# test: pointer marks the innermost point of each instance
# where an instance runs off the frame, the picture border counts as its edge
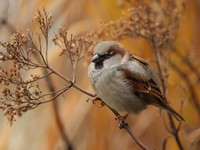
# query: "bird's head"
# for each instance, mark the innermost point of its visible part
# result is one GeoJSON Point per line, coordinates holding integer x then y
{"type": "Point", "coordinates": [108, 54]}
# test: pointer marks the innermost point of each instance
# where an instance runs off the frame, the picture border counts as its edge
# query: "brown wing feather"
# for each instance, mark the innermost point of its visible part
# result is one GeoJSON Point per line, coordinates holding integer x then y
{"type": "Point", "coordinates": [139, 59]}
{"type": "Point", "coordinates": [148, 88]}
{"type": "Point", "coordinates": [144, 87]}
{"type": "Point", "coordinates": [150, 92]}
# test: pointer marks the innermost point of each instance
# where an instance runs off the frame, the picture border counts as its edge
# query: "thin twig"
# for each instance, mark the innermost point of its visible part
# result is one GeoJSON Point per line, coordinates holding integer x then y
{"type": "Point", "coordinates": [61, 127]}
{"type": "Point", "coordinates": [131, 133]}
{"type": "Point", "coordinates": [125, 126]}
{"type": "Point", "coordinates": [175, 132]}
{"type": "Point", "coordinates": [187, 61]}
{"type": "Point", "coordinates": [68, 144]}
{"type": "Point", "coordinates": [158, 63]}
{"type": "Point", "coordinates": [164, 87]}
{"type": "Point", "coordinates": [193, 93]}
{"type": "Point", "coordinates": [165, 143]}
{"type": "Point", "coordinates": [72, 83]}
{"type": "Point", "coordinates": [55, 96]}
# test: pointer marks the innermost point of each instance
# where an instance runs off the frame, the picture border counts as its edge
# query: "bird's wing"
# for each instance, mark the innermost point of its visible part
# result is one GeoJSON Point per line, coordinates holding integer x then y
{"type": "Point", "coordinates": [142, 83]}
{"type": "Point", "coordinates": [140, 60]}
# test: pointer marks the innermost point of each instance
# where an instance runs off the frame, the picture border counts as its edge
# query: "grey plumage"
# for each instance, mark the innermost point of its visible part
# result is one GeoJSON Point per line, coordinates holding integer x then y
{"type": "Point", "coordinates": [125, 82]}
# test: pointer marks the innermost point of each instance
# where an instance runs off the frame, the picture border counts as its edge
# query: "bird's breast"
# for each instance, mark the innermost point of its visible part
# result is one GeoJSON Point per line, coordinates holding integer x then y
{"type": "Point", "coordinates": [116, 92]}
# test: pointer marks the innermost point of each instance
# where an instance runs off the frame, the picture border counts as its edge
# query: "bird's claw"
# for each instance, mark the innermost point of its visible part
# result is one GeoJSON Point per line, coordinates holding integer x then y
{"type": "Point", "coordinates": [95, 99]}
{"type": "Point", "coordinates": [121, 121]}
{"type": "Point", "coordinates": [101, 104]}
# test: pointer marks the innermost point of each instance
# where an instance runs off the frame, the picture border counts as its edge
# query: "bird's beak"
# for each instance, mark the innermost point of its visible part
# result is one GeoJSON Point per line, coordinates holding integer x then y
{"type": "Point", "coordinates": [95, 58]}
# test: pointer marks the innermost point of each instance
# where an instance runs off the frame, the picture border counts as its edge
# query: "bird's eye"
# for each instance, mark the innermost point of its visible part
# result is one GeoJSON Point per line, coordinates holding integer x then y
{"type": "Point", "coordinates": [109, 54]}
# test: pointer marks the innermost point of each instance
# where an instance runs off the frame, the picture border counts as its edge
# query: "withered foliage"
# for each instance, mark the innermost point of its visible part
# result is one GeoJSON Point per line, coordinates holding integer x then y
{"type": "Point", "coordinates": [18, 95]}
{"type": "Point", "coordinates": [73, 47]}
{"type": "Point", "coordinates": [157, 26]}
{"type": "Point", "coordinates": [22, 54]}
{"type": "Point", "coordinates": [44, 21]}
{"type": "Point", "coordinates": [25, 53]}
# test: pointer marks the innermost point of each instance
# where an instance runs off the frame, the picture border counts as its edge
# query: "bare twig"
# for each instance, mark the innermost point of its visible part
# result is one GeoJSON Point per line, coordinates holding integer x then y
{"type": "Point", "coordinates": [70, 82]}
{"type": "Point", "coordinates": [187, 61]}
{"type": "Point", "coordinates": [160, 70]}
{"type": "Point", "coordinates": [125, 126]}
{"type": "Point", "coordinates": [193, 93]}
{"type": "Point", "coordinates": [54, 95]}
{"type": "Point", "coordinates": [175, 132]}
{"type": "Point", "coordinates": [131, 133]}
{"type": "Point", "coordinates": [58, 120]}
{"type": "Point", "coordinates": [174, 129]}
{"type": "Point", "coordinates": [165, 144]}
{"type": "Point", "coordinates": [60, 126]}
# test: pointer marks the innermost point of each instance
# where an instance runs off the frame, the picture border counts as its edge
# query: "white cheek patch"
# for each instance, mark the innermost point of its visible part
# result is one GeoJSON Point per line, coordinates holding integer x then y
{"type": "Point", "coordinates": [112, 62]}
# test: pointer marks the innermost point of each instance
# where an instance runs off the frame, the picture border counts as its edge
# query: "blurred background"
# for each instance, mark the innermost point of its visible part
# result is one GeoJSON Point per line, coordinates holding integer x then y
{"type": "Point", "coordinates": [70, 120]}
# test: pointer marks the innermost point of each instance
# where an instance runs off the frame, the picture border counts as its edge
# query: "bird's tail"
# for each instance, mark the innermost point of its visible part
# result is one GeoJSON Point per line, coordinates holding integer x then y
{"type": "Point", "coordinates": [171, 111]}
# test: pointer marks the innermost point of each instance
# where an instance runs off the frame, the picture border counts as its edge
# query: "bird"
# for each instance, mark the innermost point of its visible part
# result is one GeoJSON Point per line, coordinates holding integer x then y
{"type": "Point", "coordinates": [124, 81]}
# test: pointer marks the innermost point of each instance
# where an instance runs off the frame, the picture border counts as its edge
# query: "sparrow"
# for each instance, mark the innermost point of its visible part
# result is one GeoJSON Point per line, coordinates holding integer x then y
{"type": "Point", "coordinates": [124, 81]}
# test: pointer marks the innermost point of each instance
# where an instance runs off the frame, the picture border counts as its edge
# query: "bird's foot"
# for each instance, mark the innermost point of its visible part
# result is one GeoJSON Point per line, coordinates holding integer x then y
{"type": "Point", "coordinates": [101, 104]}
{"type": "Point", "coordinates": [96, 99]}
{"type": "Point", "coordinates": [121, 120]}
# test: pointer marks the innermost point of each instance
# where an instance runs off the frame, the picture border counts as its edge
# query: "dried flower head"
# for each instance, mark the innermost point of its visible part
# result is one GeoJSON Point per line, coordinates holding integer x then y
{"type": "Point", "coordinates": [142, 22]}
{"type": "Point", "coordinates": [22, 55]}
{"type": "Point", "coordinates": [74, 47]}
{"type": "Point", "coordinates": [43, 20]}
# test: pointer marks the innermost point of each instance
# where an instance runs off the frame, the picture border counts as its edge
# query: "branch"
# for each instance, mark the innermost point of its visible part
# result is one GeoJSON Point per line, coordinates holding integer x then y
{"type": "Point", "coordinates": [193, 93]}
{"type": "Point", "coordinates": [188, 63]}
{"type": "Point", "coordinates": [60, 126]}
{"type": "Point", "coordinates": [131, 133]}
{"type": "Point", "coordinates": [58, 120]}
{"type": "Point", "coordinates": [70, 82]}
{"type": "Point", "coordinates": [175, 131]}
{"type": "Point", "coordinates": [164, 87]}
{"type": "Point", "coordinates": [158, 63]}
{"type": "Point", "coordinates": [125, 126]}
